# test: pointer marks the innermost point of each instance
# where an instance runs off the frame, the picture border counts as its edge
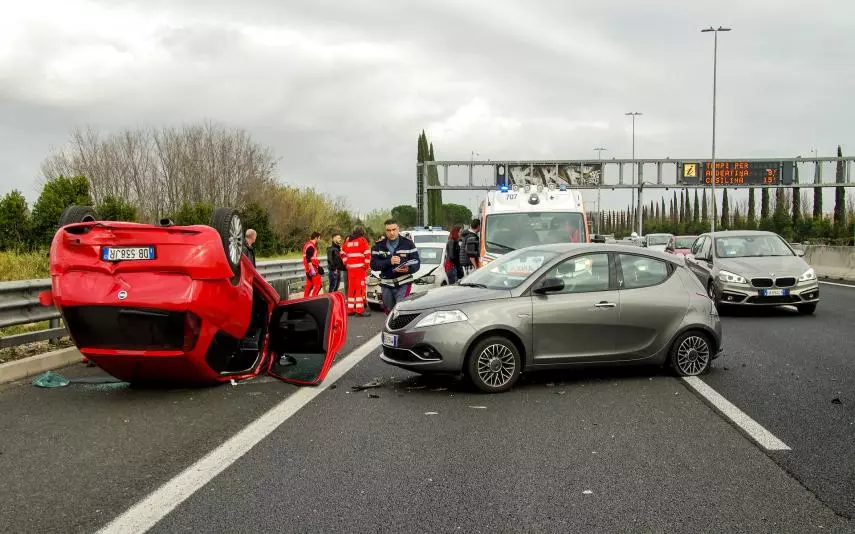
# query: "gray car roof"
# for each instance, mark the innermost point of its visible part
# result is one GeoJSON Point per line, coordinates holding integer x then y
{"type": "Point", "coordinates": [564, 248]}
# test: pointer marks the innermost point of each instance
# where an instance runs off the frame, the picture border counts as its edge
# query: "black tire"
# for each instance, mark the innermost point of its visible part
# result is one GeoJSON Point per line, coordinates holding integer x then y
{"type": "Point", "coordinates": [77, 214]}
{"type": "Point", "coordinates": [806, 309]}
{"type": "Point", "coordinates": [684, 364]}
{"type": "Point", "coordinates": [489, 350]}
{"type": "Point", "coordinates": [712, 294]}
{"type": "Point", "coordinates": [228, 223]}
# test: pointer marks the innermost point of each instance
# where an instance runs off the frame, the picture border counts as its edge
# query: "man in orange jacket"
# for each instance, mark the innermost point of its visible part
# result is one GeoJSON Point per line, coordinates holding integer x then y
{"type": "Point", "coordinates": [312, 266]}
{"type": "Point", "coordinates": [356, 253]}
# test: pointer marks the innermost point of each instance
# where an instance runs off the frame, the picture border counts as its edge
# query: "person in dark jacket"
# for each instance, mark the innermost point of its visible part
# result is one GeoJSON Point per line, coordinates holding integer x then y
{"type": "Point", "coordinates": [248, 250]}
{"type": "Point", "coordinates": [396, 257]}
{"type": "Point", "coordinates": [470, 239]}
{"type": "Point", "coordinates": [452, 267]}
{"type": "Point", "coordinates": [335, 263]}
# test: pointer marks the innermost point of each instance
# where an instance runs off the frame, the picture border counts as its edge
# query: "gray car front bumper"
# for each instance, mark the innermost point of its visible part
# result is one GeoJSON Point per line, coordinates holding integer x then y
{"type": "Point", "coordinates": [434, 349]}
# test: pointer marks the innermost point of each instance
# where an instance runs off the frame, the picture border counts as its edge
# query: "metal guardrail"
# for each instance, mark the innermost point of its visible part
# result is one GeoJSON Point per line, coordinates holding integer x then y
{"type": "Point", "coordinates": [19, 301]}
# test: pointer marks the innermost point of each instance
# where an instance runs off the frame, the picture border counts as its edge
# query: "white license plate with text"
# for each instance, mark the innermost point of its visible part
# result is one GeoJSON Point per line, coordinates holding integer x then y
{"type": "Point", "coordinates": [127, 253]}
{"type": "Point", "coordinates": [390, 340]}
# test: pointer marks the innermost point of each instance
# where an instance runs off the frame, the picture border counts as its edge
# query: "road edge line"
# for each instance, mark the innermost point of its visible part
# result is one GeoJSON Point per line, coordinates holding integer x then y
{"type": "Point", "coordinates": [838, 284]}
{"type": "Point", "coordinates": [755, 430]}
{"type": "Point", "coordinates": [38, 363]}
{"type": "Point", "coordinates": [147, 512]}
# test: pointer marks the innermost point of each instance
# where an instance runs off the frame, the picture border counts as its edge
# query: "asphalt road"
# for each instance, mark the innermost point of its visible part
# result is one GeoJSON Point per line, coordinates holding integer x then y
{"type": "Point", "coordinates": [611, 450]}
{"type": "Point", "coordinates": [73, 458]}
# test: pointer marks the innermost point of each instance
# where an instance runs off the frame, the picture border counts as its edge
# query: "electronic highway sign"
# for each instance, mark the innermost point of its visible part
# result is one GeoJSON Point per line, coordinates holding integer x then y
{"type": "Point", "coordinates": [736, 173]}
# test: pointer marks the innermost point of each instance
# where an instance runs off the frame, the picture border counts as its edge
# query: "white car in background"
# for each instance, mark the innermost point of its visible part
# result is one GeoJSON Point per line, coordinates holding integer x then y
{"type": "Point", "coordinates": [656, 241]}
{"type": "Point", "coordinates": [430, 273]}
{"type": "Point", "coordinates": [421, 235]}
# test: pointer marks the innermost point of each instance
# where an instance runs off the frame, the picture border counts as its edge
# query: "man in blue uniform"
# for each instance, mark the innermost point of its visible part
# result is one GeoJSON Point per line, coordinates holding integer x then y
{"type": "Point", "coordinates": [396, 257]}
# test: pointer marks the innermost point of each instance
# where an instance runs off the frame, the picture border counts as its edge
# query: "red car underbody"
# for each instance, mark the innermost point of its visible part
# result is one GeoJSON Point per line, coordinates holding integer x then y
{"type": "Point", "coordinates": [183, 315]}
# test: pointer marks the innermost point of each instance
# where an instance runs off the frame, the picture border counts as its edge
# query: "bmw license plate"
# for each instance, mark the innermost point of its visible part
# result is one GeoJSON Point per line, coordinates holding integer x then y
{"type": "Point", "coordinates": [127, 253]}
{"type": "Point", "coordinates": [390, 340]}
{"type": "Point", "coordinates": [774, 292]}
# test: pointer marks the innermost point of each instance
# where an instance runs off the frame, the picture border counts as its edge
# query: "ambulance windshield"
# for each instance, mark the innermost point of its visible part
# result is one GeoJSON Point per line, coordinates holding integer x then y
{"type": "Point", "coordinates": [505, 232]}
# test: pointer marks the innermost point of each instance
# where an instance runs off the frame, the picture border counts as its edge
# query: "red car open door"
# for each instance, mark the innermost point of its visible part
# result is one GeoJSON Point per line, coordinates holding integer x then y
{"type": "Point", "coordinates": [305, 336]}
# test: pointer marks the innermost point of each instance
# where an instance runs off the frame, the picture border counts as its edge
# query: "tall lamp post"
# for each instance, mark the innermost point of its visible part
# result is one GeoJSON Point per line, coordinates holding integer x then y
{"type": "Point", "coordinates": [599, 150]}
{"type": "Point", "coordinates": [634, 114]}
{"type": "Point", "coordinates": [715, 68]}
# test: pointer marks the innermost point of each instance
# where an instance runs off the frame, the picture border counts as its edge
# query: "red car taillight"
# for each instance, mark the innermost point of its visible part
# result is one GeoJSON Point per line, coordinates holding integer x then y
{"type": "Point", "coordinates": [192, 327]}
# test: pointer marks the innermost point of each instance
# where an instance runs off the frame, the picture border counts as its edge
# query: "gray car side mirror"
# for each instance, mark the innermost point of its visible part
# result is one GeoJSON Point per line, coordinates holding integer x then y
{"type": "Point", "coordinates": [550, 285]}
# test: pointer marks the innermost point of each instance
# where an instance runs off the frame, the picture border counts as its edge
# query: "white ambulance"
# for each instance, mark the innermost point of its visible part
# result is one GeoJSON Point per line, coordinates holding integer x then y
{"type": "Point", "coordinates": [522, 216]}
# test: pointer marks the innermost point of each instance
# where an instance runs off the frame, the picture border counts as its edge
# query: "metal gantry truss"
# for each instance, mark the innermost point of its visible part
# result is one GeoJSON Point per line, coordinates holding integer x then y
{"type": "Point", "coordinates": [641, 183]}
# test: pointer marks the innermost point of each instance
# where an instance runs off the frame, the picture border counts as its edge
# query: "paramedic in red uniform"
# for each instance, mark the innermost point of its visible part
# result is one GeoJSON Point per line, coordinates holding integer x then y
{"type": "Point", "coordinates": [356, 253]}
{"type": "Point", "coordinates": [312, 266]}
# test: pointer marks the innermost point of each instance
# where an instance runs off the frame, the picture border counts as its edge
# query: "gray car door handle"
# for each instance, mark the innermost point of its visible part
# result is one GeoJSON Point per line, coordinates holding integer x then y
{"type": "Point", "coordinates": [605, 304]}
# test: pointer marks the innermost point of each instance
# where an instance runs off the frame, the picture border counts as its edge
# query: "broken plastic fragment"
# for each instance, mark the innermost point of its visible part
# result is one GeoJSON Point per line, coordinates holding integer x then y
{"type": "Point", "coordinates": [835, 400]}
{"type": "Point", "coordinates": [479, 407]}
{"type": "Point", "coordinates": [372, 384]}
{"type": "Point", "coordinates": [587, 492]}
{"type": "Point", "coordinates": [431, 413]}
{"type": "Point", "coordinates": [50, 380]}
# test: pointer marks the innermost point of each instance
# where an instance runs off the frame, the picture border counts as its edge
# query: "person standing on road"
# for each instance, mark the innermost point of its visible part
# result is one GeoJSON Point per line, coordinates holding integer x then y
{"type": "Point", "coordinates": [396, 257]}
{"type": "Point", "coordinates": [312, 266]}
{"type": "Point", "coordinates": [453, 269]}
{"type": "Point", "coordinates": [356, 253]}
{"type": "Point", "coordinates": [470, 248]}
{"type": "Point", "coordinates": [247, 249]}
{"type": "Point", "coordinates": [334, 262]}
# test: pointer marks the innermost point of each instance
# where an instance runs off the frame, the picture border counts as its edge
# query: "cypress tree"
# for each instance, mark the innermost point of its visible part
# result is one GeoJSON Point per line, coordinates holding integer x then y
{"type": "Point", "coordinates": [696, 213]}
{"type": "Point", "coordinates": [725, 210]}
{"type": "Point", "coordinates": [764, 203]}
{"type": "Point", "coordinates": [840, 198]}
{"type": "Point", "coordinates": [705, 214]}
{"type": "Point", "coordinates": [752, 215]}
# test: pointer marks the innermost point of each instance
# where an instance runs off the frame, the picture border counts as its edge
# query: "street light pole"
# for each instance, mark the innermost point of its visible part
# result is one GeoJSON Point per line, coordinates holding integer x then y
{"type": "Point", "coordinates": [715, 73]}
{"type": "Point", "coordinates": [599, 150]}
{"type": "Point", "coordinates": [634, 114]}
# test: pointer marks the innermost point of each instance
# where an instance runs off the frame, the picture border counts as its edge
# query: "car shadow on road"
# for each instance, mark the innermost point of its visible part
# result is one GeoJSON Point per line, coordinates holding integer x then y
{"type": "Point", "coordinates": [761, 312]}
{"type": "Point", "coordinates": [457, 384]}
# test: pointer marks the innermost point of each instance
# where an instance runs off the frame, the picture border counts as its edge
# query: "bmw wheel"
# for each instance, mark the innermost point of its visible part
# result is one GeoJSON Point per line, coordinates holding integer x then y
{"type": "Point", "coordinates": [494, 364]}
{"type": "Point", "coordinates": [691, 354]}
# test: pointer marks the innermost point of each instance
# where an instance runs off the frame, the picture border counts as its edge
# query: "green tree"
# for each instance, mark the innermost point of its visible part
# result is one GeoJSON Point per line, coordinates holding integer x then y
{"type": "Point", "coordinates": [14, 221]}
{"type": "Point", "coordinates": [781, 217]}
{"type": "Point", "coordinates": [434, 196]}
{"type": "Point", "coordinates": [840, 226]}
{"type": "Point", "coordinates": [456, 214]}
{"type": "Point", "coordinates": [751, 222]}
{"type": "Point", "coordinates": [116, 209]}
{"type": "Point", "coordinates": [705, 216]}
{"type": "Point", "coordinates": [764, 203]}
{"type": "Point", "coordinates": [192, 214]}
{"type": "Point", "coordinates": [725, 211]}
{"type": "Point", "coordinates": [407, 216]}
{"type": "Point", "coordinates": [266, 242]}
{"type": "Point", "coordinates": [797, 209]}
{"type": "Point", "coordinates": [57, 194]}
{"type": "Point", "coordinates": [696, 213]}
{"type": "Point", "coordinates": [817, 203]}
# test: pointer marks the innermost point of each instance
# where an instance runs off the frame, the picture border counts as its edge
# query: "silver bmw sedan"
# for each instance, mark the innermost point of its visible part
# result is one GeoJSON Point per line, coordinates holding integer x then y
{"type": "Point", "coordinates": [558, 306]}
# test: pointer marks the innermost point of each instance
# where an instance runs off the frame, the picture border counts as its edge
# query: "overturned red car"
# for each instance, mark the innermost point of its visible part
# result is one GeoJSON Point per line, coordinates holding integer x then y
{"type": "Point", "coordinates": [167, 303]}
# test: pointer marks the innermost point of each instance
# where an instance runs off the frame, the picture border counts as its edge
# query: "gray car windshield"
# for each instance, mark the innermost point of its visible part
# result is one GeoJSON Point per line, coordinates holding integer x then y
{"type": "Point", "coordinates": [510, 231]}
{"type": "Point", "coordinates": [510, 270]}
{"type": "Point", "coordinates": [658, 239]}
{"type": "Point", "coordinates": [751, 246]}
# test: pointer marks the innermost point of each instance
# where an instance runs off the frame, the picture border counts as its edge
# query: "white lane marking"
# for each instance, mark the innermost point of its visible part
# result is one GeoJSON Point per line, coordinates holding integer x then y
{"type": "Point", "coordinates": [749, 425]}
{"type": "Point", "coordinates": [836, 284]}
{"type": "Point", "coordinates": [147, 512]}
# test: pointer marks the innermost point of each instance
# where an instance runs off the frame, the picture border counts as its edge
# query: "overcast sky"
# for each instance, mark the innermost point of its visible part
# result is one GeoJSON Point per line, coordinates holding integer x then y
{"type": "Point", "coordinates": [341, 89]}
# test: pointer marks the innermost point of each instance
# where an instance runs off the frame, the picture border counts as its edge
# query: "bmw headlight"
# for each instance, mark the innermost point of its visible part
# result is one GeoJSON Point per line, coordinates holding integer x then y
{"type": "Point", "coordinates": [442, 317]}
{"type": "Point", "coordinates": [731, 278]}
{"type": "Point", "coordinates": [808, 275]}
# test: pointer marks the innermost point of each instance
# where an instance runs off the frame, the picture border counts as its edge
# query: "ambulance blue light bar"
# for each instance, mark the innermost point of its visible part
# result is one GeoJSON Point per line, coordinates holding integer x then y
{"type": "Point", "coordinates": [562, 187]}
{"type": "Point", "coordinates": [503, 188]}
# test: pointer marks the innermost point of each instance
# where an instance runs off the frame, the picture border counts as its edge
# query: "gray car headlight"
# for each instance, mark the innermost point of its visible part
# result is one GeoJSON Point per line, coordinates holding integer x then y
{"type": "Point", "coordinates": [808, 275]}
{"type": "Point", "coordinates": [731, 278]}
{"type": "Point", "coordinates": [442, 317]}
{"type": "Point", "coordinates": [429, 279]}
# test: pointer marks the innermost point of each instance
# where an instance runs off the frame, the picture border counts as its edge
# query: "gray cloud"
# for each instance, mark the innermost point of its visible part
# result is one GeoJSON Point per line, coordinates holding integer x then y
{"type": "Point", "coordinates": [340, 90]}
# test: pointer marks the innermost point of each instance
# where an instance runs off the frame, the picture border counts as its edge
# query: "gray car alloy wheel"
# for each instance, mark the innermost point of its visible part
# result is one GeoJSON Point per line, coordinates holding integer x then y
{"type": "Point", "coordinates": [235, 239]}
{"type": "Point", "coordinates": [496, 365]}
{"type": "Point", "coordinates": [693, 355]}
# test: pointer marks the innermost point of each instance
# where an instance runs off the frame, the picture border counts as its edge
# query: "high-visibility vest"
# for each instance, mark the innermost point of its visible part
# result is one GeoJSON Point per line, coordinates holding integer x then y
{"type": "Point", "coordinates": [356, 253]}
{"type": "Point", "coordinates": [315, 262]}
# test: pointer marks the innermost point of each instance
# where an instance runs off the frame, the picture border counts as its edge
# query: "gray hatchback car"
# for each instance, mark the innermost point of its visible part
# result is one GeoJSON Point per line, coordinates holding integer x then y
{"type": "Point", "coordinates": [557, 306]}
